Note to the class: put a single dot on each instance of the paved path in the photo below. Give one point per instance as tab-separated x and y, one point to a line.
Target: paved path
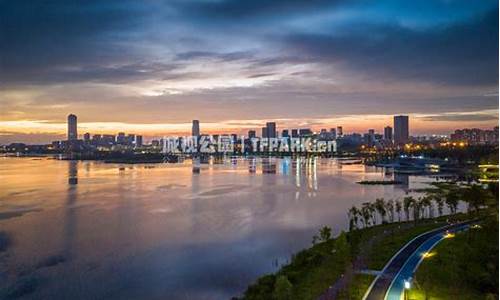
406	273
403	264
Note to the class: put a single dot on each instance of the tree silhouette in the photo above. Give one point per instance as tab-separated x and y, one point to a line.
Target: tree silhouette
389	207
399	207
353	214
380	208
366	214
407	204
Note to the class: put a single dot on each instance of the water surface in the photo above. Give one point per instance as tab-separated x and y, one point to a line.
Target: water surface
90	230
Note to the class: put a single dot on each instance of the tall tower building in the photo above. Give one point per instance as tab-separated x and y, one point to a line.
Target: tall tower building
401	130
271	129
333	133
72	128
340	132
264	132
388	133
195	131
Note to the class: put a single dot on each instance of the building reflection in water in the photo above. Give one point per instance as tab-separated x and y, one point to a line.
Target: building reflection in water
72	172
285	166
269	165
306	170
196	165
252	165
70	211
296	165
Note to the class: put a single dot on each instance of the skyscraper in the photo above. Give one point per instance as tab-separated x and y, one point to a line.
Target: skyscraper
138	140
401	130
120	139
271	129
340	132
285	133
388	133
371	137
333	133
195	131
264	132
251	134
72	128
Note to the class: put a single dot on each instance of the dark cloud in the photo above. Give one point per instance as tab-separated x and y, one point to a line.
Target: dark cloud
261	75
37	38
230	10
459	54
230	56
96	73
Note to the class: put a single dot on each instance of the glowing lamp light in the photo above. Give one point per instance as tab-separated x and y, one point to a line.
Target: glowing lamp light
407	285
428	254
449	235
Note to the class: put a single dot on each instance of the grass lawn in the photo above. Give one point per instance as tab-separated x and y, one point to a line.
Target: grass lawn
309	274
358	287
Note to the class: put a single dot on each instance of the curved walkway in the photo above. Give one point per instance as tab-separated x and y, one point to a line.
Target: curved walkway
389	283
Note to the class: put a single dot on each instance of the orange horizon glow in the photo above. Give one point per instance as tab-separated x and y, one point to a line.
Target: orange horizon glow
359	124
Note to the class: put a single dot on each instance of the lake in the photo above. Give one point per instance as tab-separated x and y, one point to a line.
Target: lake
91	230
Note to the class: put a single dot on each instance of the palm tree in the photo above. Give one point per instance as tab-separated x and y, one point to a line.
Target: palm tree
417	206
438	198
407	204
365	214
373	210
325	233
389	207
399	207
427	202
451	199
354	214
475	198
379	206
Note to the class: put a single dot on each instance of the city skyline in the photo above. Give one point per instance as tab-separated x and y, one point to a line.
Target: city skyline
309	64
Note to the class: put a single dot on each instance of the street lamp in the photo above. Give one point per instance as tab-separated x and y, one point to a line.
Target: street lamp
407	287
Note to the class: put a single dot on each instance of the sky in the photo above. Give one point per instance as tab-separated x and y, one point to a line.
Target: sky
150	67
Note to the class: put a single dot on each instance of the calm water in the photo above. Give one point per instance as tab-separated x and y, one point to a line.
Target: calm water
90	230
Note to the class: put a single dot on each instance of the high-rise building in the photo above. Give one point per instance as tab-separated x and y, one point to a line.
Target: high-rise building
108	140
340	132
388	133
370	137
295	133
264	132
86	137
195	130
130	140
284	133
401	130
138	140
72	128
305	132
333	133
120	139
251	134
271	129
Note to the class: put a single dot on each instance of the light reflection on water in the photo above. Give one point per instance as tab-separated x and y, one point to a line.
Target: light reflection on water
85	230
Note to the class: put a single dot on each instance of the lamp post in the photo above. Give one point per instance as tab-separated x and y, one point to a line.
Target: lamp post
406	289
